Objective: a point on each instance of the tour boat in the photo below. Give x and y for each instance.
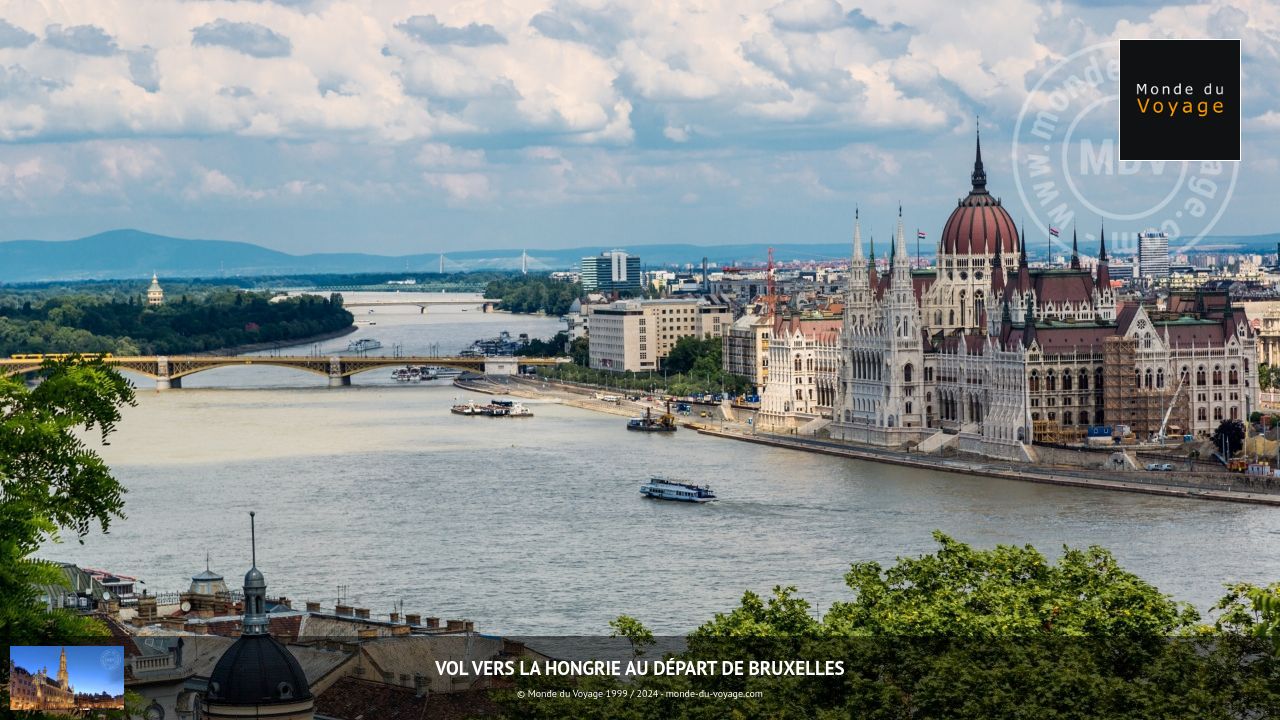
(363, 345)
(662, 489)
(507, 408)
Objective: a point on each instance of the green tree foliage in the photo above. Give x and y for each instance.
(1266, 377)
(201, 322)
(580, 351)
(51, 482)
(1230, 433)
(964, 633)
(692, 367)
(554, 347)
(533, 293)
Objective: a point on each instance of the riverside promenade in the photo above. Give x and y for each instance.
(1050, 475)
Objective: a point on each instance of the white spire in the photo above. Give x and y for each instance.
(857, 238)
(900, 241)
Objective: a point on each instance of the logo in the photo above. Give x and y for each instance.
(112, 658)
(1068, 170)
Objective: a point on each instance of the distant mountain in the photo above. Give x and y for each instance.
(122, 254)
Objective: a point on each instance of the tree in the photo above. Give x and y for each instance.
(1230, 433)
(969, 633)
(50, 483)
(580, 351)
(634, 631)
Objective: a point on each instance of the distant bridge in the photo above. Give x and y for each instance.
(168, 371)
(423, 303)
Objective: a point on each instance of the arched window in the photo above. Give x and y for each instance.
(1232, 376)
(1084, 379)
(1050, 382)
(951, 317)
(1201, 415)
(1217, 374)
(907, 372)
(1200, 375)
(1066, 418)
(1217, 413)
(1149, 375)
(1035, 381)
(1160, 378)
(1066, 380)
(937, 317)
(799, 364)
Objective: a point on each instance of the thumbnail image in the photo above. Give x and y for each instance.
(87, 677)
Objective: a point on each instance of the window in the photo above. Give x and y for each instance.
(1217, 374)
(907, 372)
(1200, 375)
(1066, 381)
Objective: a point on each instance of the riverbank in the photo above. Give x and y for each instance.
(259, 347)
(1203, 488)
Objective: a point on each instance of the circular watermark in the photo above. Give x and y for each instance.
(111, 658)
(1067, 166)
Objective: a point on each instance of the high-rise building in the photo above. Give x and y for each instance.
(1153, 254)
(612, 272)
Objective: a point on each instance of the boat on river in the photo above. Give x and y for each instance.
(467, 408)
(662, 489)
(666, 422)
(363, 345)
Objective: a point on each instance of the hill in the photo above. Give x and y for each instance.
(123, 254)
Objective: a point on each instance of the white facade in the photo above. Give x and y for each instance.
(635, 335)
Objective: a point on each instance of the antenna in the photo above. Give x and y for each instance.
(772, 287)
(253, 539)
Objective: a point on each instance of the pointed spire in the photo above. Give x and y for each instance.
(253, 538)
(857, 237)
(1075, 249)
(979, 174)
(1102, 243)
(255, 590)
(997, 266)
(1104, 267)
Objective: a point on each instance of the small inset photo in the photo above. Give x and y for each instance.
(70, 680)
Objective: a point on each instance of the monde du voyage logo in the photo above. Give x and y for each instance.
(1180, 100)
(1134, 134)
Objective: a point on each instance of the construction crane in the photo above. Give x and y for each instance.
(1160, 436)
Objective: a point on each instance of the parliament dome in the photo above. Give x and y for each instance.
(979, 220)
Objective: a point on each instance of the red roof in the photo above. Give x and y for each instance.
(975, 224)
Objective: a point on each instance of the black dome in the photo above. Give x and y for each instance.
(257, 670)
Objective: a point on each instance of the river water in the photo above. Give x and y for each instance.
(535, 526)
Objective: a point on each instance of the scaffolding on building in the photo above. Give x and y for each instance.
(1140, 405)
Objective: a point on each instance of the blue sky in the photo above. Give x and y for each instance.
(400, 126)
(90, 669)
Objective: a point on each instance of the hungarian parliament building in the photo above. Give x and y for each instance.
(998, 354)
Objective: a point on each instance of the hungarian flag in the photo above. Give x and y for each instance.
(1053, 231)
(920, 235)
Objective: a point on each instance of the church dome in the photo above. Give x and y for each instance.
(979, 220)
(257, 670)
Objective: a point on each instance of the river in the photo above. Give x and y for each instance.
(535, 526)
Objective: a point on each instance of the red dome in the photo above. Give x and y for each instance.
(982, 218)
(979, 219)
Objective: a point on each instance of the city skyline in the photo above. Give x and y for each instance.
(91, 669)
(327, 125)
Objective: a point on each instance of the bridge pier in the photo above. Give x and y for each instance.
(339, 381)
(167, 383)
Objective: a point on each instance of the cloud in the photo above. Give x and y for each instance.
(83, 39)
(249, 38)
(12, 36)
(461, 188)
(426, 29)
(143, 69)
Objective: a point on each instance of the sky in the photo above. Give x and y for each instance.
(400, 127)
(90, 669)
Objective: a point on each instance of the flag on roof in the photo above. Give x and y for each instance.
(920, 235)
(1053, 231)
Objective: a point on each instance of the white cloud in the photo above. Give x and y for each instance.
(461, 188)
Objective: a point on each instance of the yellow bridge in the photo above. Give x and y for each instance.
(168, 371)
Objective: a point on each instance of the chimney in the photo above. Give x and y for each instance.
(468, 625)
(313, 607)
(343, 610)
(400, 630)
(433, 622)
(395, 617)
(362, 613)
(454, 625)
(413, 619)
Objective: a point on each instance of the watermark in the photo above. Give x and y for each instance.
(112, 658)
(1068, 170)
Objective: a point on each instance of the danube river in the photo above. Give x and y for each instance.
(535, 526)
